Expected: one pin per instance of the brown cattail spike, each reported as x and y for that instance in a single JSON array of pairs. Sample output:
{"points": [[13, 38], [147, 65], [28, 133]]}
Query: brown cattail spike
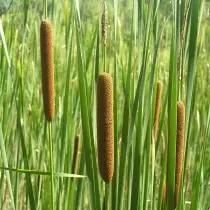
{"points": [[104, 22], [179, 148], [76, 154], [105, 126], [157, 109], [47, 64]]}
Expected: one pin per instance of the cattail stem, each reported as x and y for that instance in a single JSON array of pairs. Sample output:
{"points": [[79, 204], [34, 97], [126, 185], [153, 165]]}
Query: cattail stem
{"points": [[107, 196], [104, 30], [179, 149], [51, 163], [105, 122], [104, 23], [104, 58], [182, 41]]}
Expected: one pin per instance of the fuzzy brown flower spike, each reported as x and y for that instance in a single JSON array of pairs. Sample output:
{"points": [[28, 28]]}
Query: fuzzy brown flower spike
{"points": [[105, 124], [179, 149], [157, 109], [47, 64]]}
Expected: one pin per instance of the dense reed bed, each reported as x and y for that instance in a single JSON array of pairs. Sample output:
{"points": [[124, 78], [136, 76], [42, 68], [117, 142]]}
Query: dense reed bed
{"points": [[73, 137]]}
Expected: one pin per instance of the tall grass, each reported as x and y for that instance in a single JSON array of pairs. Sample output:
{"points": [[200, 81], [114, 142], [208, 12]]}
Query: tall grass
{"points": [[143, 42]]}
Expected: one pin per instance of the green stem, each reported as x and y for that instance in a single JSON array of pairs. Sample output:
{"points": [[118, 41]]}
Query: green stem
{"points": [[104, 58], [106, 196], [51, 163]]}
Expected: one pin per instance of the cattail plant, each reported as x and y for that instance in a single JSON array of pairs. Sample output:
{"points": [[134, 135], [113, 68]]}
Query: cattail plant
{"points": [[76, 154], [105, 126], [47, 64], [157, 109], [179, 148]]}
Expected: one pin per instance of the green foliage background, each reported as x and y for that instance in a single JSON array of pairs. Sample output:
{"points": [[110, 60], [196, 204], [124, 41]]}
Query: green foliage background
{"points": [[143, 45]]}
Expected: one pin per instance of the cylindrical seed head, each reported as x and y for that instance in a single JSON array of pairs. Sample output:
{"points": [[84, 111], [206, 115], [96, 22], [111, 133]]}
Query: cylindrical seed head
{"points": [[105, 124], [47, 64], [179, 148], [157, 109]]}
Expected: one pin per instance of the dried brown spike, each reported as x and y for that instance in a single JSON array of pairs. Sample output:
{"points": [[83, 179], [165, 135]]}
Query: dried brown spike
{"points": [[47, 64], [179, 148], [105, 126], [76, 154], [157, 109]]}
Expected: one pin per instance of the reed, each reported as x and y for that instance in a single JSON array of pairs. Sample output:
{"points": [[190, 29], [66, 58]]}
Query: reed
{"points": [[179, 148], [76, 154], [157, 109], [105, 126], [47, 64]]}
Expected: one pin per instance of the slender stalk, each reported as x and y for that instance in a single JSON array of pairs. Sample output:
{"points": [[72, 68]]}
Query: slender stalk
{"points": [[104, 58], [51, 163], [104, 22], [107, 196], [45, 9]]}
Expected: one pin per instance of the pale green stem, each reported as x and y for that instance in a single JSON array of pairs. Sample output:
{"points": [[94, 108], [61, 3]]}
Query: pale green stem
{"points": [[51, 163], [104, 58], [107, 196]]}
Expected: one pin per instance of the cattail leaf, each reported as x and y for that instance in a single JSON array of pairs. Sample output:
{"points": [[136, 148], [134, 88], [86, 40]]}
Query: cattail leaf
{"points": [[125, 130], [4, 44], [196, 184], [26, 164], [44, 173], [5, 161], [194, 30], [115, 98], [90, 167], [172, 119]]}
